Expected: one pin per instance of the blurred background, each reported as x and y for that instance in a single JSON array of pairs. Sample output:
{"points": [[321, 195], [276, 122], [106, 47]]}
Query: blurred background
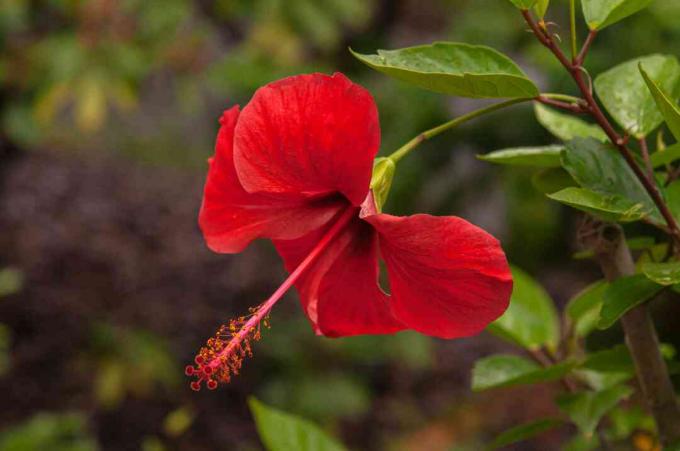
{"points": [[108, 112]]}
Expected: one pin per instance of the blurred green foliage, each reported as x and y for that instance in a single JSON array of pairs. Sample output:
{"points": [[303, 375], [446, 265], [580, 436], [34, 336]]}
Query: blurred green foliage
{"points": [[54, 432], [129, 361]]}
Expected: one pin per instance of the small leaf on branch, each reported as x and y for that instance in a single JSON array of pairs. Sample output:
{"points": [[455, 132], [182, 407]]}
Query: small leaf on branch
{"points": [[667, 273], [600, 168], [586, 409], [506, 370], [541, 7], [454, 68], [614, 360], [623, 294], [566, 127], [551, 180], [524, 432], [667, 103], [606, 207], [544, 156], [584, 308], [523, 4], [625, 95], [602, 13], [281, 431], [666, 156], [531, 319]]}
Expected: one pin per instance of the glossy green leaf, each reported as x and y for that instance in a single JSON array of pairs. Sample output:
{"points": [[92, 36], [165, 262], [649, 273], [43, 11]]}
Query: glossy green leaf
{"points": [[551, 180], [600, 168], [662, 273], [544, 156], [566, 127], [623, 294], [608, 208], [624, 93], [531, 319], [586, 409], [602, 13], [541, 7], [663, 157], [280, 431], [667, 103], [523, 4], [584, 308], [456, 69], [506, 370], [524, 432]]}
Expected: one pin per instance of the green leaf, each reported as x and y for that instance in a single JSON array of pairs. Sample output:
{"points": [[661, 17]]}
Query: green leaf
{"points": [[614, 360], [582, 443], [600, 168], [47, 431], [608, 208], [541, 7], [531, 319], [625, 95], [551, 180], [523, 4], [566, 127], [662, 273], [544, 156], [587, 408], [666, 103], [622, 295], [524, 432], [280, 431], [506, 370], [584, 308], [602, 13], [663, 157], [454, 68]]}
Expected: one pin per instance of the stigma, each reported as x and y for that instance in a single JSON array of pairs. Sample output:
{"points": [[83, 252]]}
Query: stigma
{"points": [[223, 354]]}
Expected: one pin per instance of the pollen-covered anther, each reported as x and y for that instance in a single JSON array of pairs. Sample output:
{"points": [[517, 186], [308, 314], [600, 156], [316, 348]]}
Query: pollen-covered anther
{"points": [[223, 354]]}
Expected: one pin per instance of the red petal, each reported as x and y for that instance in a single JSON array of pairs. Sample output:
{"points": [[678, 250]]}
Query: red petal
{"points": [[340, 292], [308, 135], [230, 217], [448, 278]]}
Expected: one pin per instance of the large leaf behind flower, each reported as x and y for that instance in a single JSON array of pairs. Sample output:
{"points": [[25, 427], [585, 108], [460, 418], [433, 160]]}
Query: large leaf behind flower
{"points": [[454, 68]]}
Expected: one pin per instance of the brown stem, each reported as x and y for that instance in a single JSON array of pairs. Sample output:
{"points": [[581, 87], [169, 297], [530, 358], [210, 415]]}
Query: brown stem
{"points": [[578, 61], [615, 260], [645, 156], [575, 108], [576, 71]]}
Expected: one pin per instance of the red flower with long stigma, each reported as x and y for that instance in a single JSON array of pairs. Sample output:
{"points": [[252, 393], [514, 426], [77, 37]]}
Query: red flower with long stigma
{"points": [[295, 167]]}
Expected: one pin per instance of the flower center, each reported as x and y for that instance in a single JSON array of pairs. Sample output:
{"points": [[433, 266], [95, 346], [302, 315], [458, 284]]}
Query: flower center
{"points": [[223, 355]]}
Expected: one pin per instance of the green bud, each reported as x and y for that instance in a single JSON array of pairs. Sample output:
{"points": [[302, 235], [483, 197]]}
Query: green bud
{"points": [[383, 173]]}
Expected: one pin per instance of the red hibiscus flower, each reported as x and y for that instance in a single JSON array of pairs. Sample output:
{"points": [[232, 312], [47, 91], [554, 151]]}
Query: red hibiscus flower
{"points": [[295, 167]]}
